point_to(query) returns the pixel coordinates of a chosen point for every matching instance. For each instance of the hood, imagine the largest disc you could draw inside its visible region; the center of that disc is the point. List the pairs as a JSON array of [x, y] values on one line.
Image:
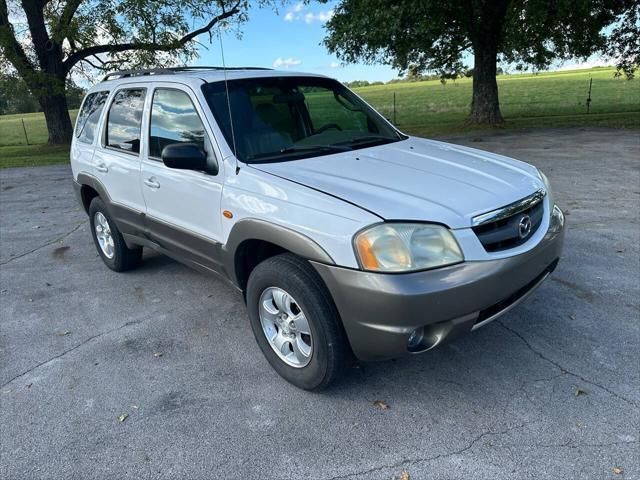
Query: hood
[[416, 179]]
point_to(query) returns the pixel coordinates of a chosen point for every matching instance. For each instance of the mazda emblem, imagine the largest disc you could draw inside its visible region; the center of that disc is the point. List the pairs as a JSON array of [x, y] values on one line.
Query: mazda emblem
[[524, 227]]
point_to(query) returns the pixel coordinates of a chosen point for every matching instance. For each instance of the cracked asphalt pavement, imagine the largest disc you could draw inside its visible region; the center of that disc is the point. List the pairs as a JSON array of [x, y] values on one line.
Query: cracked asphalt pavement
[[551, 390]]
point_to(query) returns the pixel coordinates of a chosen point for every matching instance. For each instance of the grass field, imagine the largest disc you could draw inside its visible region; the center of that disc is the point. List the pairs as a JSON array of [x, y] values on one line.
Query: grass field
[[551, 99]]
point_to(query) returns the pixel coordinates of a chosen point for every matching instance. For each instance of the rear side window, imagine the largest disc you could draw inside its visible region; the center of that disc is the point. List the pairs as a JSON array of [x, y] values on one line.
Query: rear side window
[[124, 120], [173, 120], [87, 123]]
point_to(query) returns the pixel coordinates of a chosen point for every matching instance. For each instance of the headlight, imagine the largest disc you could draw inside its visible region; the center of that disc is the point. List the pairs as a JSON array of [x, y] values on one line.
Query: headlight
[[547, 187], [403, 247]]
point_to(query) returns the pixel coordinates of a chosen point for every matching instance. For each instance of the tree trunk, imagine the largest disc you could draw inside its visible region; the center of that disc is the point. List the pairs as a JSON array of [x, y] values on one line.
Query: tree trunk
[[56, 114], [485, 106]]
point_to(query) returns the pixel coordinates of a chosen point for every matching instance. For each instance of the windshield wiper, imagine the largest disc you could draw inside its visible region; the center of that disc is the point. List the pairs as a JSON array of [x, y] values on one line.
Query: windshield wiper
[[266, 157], [306, 148], [371, 139]]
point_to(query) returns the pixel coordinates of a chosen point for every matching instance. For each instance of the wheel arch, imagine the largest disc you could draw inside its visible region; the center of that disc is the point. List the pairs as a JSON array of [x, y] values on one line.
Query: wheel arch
[[252, 241], [90, 187]]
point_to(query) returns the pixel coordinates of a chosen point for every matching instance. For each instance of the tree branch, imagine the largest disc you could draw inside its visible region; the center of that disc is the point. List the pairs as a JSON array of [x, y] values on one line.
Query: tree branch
[[75, 57], [10, 46], [70, 9]]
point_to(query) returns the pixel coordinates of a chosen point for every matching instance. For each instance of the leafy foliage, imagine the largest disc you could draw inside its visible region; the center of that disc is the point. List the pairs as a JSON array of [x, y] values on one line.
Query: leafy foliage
[[111, 34], [624, 44], [435, 35]]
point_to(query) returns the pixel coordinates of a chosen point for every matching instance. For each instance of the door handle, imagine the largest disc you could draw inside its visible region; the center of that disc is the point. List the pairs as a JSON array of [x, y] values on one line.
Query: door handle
[[101, 167], [151, 182]]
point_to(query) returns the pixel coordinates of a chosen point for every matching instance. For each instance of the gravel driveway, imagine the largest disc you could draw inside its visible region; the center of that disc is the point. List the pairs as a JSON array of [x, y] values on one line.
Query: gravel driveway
[[551, 390]]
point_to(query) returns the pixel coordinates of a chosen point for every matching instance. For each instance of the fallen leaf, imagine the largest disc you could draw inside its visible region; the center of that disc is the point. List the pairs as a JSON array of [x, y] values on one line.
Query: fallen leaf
[[123, 417], [579, 392], [157, 354], [405, 475], [617, 470], [63, 333], [381, 405]]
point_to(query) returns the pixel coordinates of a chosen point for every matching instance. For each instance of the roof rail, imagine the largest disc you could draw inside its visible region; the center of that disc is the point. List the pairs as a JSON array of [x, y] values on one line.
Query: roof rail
[[170, 71]]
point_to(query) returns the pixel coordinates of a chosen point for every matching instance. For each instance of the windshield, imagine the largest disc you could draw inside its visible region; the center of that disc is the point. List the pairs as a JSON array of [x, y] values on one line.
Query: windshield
[[285, 118]]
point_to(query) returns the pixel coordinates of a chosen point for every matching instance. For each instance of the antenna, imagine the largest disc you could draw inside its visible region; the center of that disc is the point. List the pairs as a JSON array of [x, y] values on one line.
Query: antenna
[[226, 87]]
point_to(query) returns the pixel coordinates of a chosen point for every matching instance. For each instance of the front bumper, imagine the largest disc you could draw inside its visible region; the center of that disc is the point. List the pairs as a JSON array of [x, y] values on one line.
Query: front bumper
[[380, 311]]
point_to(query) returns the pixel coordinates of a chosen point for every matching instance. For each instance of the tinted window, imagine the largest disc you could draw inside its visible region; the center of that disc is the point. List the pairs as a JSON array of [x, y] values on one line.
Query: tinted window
[[173, 120], [125, 117], [283, 118], [89, 116]]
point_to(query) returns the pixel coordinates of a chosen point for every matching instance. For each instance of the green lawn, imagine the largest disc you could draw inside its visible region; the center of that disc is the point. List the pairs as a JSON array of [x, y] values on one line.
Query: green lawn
[[12, 131], [431, 106], [33, 155], [554, 99]]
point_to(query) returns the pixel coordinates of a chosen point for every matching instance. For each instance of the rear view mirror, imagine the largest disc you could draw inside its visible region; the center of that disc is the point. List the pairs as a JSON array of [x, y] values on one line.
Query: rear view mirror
[[186, 156]]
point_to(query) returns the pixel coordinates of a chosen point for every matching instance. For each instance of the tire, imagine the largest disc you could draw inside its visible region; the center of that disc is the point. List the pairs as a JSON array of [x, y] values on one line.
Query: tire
[[329, 351], [115, 255]]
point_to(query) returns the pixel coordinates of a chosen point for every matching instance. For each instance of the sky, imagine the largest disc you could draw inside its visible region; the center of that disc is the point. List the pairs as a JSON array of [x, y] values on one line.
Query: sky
[[290, 38]]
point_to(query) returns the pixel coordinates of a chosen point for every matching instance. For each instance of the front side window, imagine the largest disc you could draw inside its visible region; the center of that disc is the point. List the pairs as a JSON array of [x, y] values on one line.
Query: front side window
[[173, 120], [89, 116], [284, 118], [124, 120]]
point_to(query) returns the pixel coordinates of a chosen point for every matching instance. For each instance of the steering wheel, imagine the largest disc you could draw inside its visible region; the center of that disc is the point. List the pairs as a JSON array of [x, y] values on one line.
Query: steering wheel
[[326, 127]]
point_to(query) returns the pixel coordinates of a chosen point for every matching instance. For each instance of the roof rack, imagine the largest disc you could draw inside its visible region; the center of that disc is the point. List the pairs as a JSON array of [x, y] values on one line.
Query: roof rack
[[170, 71]]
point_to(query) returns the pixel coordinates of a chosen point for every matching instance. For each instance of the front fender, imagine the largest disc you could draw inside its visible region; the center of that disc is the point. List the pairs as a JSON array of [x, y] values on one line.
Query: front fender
[[254, 229]]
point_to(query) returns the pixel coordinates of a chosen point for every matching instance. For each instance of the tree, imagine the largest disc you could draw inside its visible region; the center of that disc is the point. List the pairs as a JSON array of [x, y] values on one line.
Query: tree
[[436, 35], [54, 38]]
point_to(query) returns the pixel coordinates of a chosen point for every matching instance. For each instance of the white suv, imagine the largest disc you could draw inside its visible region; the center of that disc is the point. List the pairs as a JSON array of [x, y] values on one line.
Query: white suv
[[344, 235]]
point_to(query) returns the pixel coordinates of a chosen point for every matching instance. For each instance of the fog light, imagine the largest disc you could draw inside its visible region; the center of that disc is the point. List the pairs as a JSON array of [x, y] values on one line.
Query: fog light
[[415, 339]]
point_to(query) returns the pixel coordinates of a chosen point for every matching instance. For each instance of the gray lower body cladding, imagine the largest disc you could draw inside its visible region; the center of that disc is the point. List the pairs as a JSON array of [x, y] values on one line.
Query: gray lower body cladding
[[380, 311]]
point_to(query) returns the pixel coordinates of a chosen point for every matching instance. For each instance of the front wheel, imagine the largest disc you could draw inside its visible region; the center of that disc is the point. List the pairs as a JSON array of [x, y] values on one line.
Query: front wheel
[[295, 322]]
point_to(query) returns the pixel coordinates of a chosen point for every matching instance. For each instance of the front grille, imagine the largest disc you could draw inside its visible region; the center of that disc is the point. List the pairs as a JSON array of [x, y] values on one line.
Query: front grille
[[504, 233], [514, 297]]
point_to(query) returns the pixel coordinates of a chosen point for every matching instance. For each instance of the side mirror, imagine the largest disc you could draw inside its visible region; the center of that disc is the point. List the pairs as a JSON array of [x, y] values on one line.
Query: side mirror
[[186, 156]]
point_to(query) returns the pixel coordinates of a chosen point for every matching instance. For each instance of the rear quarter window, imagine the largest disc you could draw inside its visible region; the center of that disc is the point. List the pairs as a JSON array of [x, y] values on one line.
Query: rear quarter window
[[87, 123]]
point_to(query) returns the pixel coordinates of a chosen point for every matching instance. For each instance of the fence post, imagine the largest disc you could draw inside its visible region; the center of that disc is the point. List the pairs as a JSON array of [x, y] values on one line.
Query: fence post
[[589, 98], [24, 129], [395, 122]]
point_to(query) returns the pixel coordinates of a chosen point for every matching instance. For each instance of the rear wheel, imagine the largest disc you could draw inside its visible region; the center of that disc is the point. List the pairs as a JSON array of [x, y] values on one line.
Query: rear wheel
[[295, 322], [108, 240]]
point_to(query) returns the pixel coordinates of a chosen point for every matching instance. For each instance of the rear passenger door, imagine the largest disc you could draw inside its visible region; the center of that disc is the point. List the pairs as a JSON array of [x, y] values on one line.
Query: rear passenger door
[[117, 159], [183, 206]]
